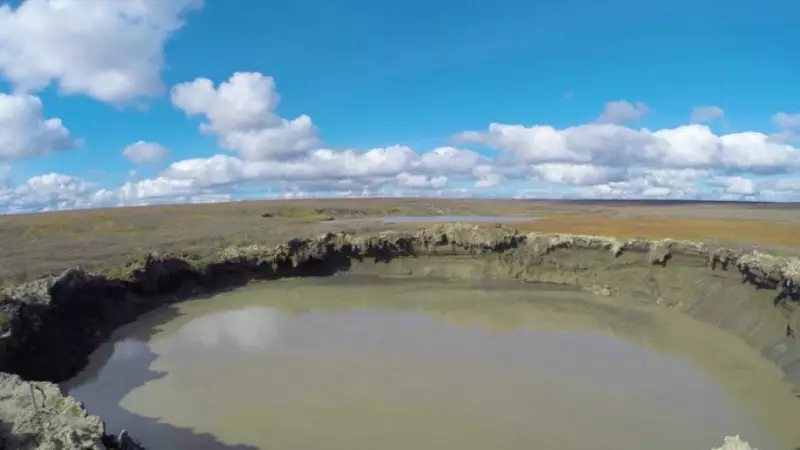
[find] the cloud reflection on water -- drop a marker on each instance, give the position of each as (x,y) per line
(248,329)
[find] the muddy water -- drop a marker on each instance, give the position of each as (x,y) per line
(353,363)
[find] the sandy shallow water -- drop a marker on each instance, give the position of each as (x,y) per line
(363,363)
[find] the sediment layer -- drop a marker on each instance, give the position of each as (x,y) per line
(48,328)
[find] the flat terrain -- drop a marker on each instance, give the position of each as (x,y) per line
(34,245)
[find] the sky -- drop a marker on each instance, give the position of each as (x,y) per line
(132,102)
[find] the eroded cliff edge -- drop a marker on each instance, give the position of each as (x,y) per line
(49,327)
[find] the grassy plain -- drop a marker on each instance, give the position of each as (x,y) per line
(703,230)
(34,245)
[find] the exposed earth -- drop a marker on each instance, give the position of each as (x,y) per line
(728,266)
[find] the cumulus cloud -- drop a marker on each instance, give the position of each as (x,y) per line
(25,132)
(782,190)
(355,169)
(788,184)
(52,191)
(241,112)
(613,161)
(623,111)
(740,186)
(608,145)
(273,156)
(156,188)
(214,171)
(579,174)
(110,50)
(593,161)
(489,180)
(708,113)
(57,191)
(142,152)
(421,181)
(677,184)
(487,176)
(450,160)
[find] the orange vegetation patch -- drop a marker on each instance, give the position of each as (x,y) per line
(704,230)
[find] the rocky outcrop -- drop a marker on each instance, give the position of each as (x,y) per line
(37,416)
(49,327)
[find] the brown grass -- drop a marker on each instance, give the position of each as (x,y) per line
(741,231)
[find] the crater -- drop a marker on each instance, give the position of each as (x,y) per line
(465,335)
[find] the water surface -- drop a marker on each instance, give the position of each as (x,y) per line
(352,363)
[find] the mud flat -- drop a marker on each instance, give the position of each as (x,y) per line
(52,326)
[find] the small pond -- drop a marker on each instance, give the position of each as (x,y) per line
(351,363)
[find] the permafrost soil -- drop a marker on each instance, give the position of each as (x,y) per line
(51,327)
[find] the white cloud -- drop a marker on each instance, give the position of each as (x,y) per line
(608,145)
(50,191)
(395,164)
(214,171)
(241,112)
(406,180)
(271,149)
(579,174)
(740,186)
(155,189)
(783,190)
(622,111)
(142,152)
(537,144)
(650,184)
(788,184)
(637,189)
(110,50)
(333,164)
(451,160)
(489,180)
(24,132)
(594,160)
(487,176)
(56,191)
(708,113)
(676,179)
(277,157)
(787,121)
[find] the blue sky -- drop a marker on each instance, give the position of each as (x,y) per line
(578,89)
